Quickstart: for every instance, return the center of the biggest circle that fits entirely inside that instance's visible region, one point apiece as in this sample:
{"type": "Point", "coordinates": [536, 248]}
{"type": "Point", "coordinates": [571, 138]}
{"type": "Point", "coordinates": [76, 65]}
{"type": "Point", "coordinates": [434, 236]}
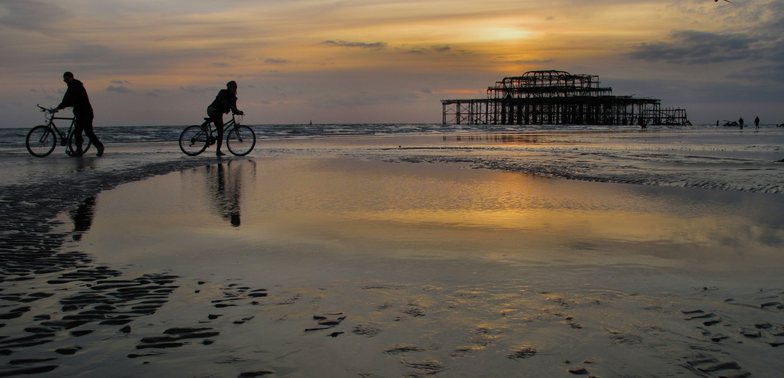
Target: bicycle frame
{"type": "Point", "coordinates": [42, 139]}
{"type": "Point", "coordinates": [52, 126]}
{"type": "Point", "coordinates": [228, 126]}
{"type": "Point", "coordinates": [63, 137]}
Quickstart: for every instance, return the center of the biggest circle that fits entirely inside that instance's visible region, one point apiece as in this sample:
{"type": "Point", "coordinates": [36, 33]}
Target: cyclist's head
{"type": "Point", "coordinates": [67, 76]}
{"type": "Point", "coordinates": [231, 84]}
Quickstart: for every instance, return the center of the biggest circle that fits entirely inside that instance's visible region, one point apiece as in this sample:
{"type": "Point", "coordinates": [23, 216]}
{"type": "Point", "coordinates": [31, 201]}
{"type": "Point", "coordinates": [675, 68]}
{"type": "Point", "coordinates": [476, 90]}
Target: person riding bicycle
{"type": "Point", "coordinates": [76, 97]}
{"type": "Point", "coordinates": [225, 101]}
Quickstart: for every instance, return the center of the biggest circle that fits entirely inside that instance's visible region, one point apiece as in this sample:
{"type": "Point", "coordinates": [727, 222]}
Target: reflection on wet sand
{"type": "Point", "coordinates": [349, 267]}
{"type": "Point", "coordinates": [224, 184]}
{"type": "Point", "coordinates": [82, 217]}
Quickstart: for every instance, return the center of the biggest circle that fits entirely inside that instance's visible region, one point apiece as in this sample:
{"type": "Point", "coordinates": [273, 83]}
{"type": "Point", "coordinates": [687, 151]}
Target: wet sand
{"type": "Point", "coordinates": [334, 265]}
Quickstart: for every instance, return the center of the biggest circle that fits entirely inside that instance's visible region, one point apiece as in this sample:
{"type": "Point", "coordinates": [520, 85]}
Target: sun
{"type": "Point", "coordinates": [503, 33]}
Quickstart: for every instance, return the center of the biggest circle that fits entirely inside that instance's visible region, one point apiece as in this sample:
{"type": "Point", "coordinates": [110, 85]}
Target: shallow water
{"type": "Point", "coordinates": [439, 267]}
{"type": "Point", "coordinates": [348, 208]}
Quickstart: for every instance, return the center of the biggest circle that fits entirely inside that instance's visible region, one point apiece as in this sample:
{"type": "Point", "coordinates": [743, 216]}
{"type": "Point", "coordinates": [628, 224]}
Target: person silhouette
{"type": "Point", "coordinates": [225, 101]}
{"type": "Point", "coordinates": [740, 122]}
{"type": "Point", "coordinates": [756, 122]}
{"type": "Point", "coordinates": [76, 97]}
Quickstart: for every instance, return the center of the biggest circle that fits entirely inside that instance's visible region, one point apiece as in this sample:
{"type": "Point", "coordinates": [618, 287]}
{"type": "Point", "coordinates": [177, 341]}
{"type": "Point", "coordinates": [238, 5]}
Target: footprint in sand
{"type": "Point", "coordinates": [176, 337]}
{"type": "Point", "coordinates": [327, 321]}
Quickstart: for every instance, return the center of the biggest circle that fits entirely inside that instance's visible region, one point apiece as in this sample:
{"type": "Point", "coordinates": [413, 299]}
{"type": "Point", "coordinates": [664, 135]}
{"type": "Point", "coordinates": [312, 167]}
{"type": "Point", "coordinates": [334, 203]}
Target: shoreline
{"type": "Point", "coordinates": [745, 162]}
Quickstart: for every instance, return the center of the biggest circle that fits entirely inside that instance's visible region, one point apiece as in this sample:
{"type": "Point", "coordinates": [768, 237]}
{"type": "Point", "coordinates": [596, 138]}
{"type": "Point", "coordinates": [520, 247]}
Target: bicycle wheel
{"type": "Point", "coordinates": [40, 141]}
{"type": "Point", "coordinates": [73, 147]}
{"type": "Point", "coordinates": [241, 140]}
{"type": "Point", "coordinates": [193, 140]}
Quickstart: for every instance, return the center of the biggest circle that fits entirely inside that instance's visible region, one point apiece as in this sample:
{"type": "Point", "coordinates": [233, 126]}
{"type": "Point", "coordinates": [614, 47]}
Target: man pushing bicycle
{"type": "Point", "coordinates": [76, 97]}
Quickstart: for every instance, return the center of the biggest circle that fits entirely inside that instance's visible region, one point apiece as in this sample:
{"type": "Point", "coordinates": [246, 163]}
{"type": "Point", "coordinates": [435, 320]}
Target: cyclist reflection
{"type": "Point", "coordinates": [224, 189]}
{"type": "Point", "coordinates": [82, 217]}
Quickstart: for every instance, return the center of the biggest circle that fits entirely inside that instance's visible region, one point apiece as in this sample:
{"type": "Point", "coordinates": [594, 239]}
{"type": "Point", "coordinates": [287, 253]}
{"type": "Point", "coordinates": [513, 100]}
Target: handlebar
{"type": "Point", "coordinates": [50, 110]}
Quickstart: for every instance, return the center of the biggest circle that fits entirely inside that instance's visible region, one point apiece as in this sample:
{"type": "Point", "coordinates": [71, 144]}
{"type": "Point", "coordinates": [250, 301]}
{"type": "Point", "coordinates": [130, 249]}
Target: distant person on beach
{"type": "Point", "coordinates": [756, 122]}
{"type": "Point", "coordinates": [76, 97]}
{"type": "Point", "coordinates": [740, 123]}
{"type": "Point", "coordinates": [225, 101]}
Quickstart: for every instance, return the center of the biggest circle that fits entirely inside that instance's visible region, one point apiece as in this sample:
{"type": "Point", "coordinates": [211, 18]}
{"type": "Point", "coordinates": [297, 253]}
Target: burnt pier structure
{"type": "Point", "coordinates": [558, 98]}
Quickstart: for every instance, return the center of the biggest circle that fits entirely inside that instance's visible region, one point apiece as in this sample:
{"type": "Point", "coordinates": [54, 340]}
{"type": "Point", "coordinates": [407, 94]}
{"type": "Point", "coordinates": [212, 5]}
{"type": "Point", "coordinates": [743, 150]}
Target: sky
{"type": "Point", "coordinates": [153, 62]}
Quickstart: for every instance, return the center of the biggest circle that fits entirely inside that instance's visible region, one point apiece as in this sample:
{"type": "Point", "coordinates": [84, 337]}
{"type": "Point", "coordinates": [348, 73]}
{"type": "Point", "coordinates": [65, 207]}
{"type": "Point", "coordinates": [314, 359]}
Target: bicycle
{"type": "Point", "coordinates": [240, 139]}
{"type": "Point", "coordinates": [42, 139]}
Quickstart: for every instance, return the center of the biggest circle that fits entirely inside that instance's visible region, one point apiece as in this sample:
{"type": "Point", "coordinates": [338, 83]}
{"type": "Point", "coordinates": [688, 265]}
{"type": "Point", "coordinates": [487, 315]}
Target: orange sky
{"type": "Point", "coordinates": [155, 62]}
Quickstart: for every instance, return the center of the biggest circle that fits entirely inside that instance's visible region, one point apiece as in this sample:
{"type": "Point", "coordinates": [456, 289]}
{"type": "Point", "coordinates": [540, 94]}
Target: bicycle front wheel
{"type": "Point", "coordinates": [193, 140]}
{"type": "Point", "coordinates": [74, 148]}
{"type": "Point", "coordinates": [241, 140]}
{"type": "Point", "coordinates": [40, 141]}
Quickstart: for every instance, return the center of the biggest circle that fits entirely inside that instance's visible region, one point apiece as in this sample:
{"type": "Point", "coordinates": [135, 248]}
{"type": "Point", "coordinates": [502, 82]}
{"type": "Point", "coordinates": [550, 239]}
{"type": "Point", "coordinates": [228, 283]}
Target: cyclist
{"type": "Point", "coordinates": [76, 97]}
{"type": "Point", "coordinates": [225, 101]}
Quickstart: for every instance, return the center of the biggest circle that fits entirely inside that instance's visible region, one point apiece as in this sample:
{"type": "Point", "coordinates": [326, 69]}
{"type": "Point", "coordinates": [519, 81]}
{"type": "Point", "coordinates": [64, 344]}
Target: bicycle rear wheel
{"type": "Point", "coordinates": [193, 140]}
{"type": "Point", "coordinates": [241, 140]}
{"type": "Point", "coordinates": [40, 141]}
{"type": "Point", "coordinates": [73, 147]}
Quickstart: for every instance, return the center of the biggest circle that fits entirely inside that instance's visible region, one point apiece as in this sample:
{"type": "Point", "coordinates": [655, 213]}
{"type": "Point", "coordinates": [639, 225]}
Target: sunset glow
{"type": "Point", "coordinates": [379, 61]}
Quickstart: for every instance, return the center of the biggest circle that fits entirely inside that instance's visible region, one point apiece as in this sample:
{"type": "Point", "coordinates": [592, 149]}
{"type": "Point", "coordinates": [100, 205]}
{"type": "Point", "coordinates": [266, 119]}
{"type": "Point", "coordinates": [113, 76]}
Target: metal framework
{"type": "Point", "coordinates": [558, 98]}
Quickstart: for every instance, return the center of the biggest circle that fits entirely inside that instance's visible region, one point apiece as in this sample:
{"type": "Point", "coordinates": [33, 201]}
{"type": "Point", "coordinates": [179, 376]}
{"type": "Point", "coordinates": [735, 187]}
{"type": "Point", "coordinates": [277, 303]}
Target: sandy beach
{"type": "Point", "coordinates": [458, 255]}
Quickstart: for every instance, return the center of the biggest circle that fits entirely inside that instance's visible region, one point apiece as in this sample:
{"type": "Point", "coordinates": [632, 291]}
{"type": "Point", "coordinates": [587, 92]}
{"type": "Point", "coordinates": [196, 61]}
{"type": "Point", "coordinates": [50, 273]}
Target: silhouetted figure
{"type": "Point", "coordinates": [225, 101]}
{"type": "Point", "coordinates": [756, 122]}
{"type": "Point", "coordinates": [82, 217]}
{"type": "Point", "coordinates": [643, 125]}
{"type": "Point", "coordinates": [76, 97]}
{"type": "Point", "coordinates": [717, 123]}
{"type": "Point", "coordinates": [225, 191]}
{"type": "Point", "coordinates": [740, 123]}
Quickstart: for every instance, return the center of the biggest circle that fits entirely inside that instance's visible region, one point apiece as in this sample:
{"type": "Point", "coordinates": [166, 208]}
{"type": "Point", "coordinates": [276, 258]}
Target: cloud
{"type": "Point", "coordinates": [157, 92]}
{"type": "Point", "coordinates": [275, 61]}
{"type": "Point", "coordinates": [30, 14]}
{"type": "Point", "coordinates": [696, 47]}
{"type": "Point", "coordinates": [119, 89]}
{"type": "Point", "coordinates": [762, 73]}
{"type": "Point", "coordinates": [363, 45]}
{"type": "Point", "coordinates": [195, 89]}
{"type": "Point", "coordinates": [120, 82]}
{"type": "Point", "coordinates": [535, 61]}
{"type": "Point", "coordinates": [438, 49]}
{"type": "Point", "coordinates": [685, 92]}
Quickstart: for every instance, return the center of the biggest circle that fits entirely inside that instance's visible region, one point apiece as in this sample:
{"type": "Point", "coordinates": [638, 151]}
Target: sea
{"type": "Point", "coordinates": [700, 156]}
{"type": "Point", "coordinates": [15, 137]}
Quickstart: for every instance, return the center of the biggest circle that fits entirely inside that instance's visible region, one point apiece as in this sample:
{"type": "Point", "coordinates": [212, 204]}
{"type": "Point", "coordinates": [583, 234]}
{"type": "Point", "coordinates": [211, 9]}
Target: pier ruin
{"type": "Point", "coordinates": [558, 98]}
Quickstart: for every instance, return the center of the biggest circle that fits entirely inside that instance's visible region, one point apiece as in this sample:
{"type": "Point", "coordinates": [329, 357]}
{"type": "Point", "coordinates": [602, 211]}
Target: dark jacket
{"type": "Point", "coordinates": [76, 97]}
{"type": "Point", "coordinates": [224, 102]}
